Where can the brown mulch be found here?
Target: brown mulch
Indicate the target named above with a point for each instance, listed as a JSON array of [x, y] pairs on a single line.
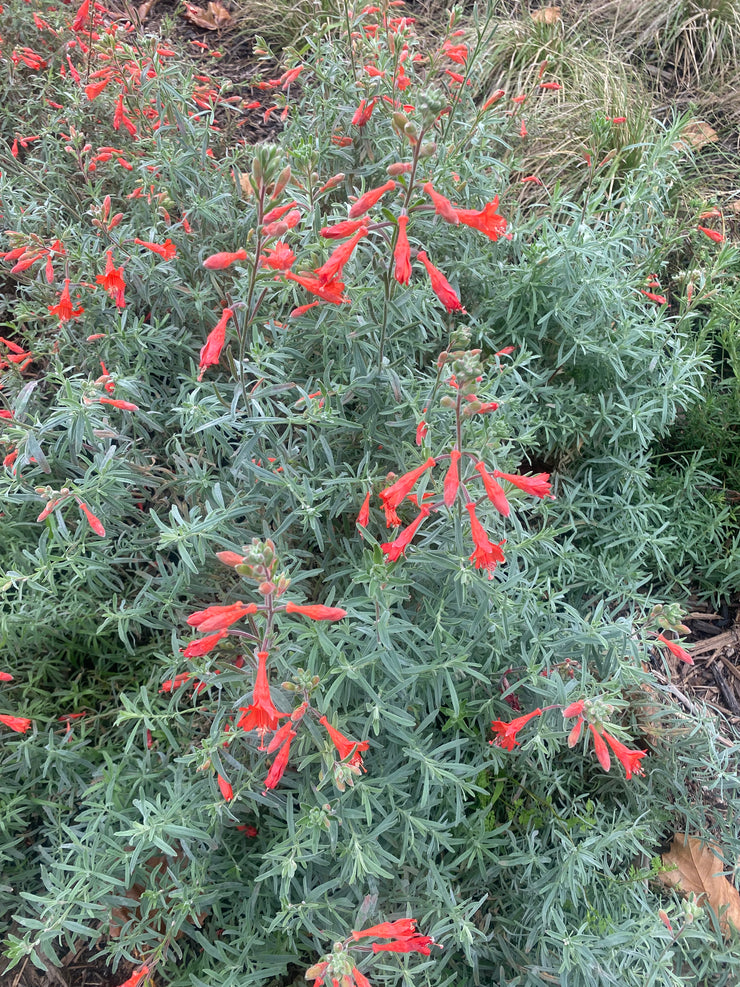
[[83, 967], [714, 643]]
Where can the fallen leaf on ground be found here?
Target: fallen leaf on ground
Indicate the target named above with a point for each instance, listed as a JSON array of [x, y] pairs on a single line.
[[697, 133], [698, 868], [145, 9], [215, 16]]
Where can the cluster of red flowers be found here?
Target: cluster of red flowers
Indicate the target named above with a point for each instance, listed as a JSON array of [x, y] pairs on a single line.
[[262, 715], [506, 736], [338, 967]]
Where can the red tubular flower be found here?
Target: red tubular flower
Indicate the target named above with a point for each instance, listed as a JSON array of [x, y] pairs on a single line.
[[217, 262], [63, 308], [602, 751], [413, 944], [278, 212], [230, 558], [136, 977], [363, 112], [575, 732], [341, 230], [363, 518], [506, 733], [279, 765], [537, 486], [402, 253], [402, 927], [20, 724], [204, 645], [676, 649], [280, 736], [360, 978], [202, 617], [226, 790], [487, 554], [179, 680], [575, 709], [261, 715], [712, 234], [302, 309], [329, 291], [94, 522], [440, 285], [346, 748], [629, 759], [81, 16], [393, 496], [452, 478], [332, 268], [113, 281], [210, 352], [6, 677], [368, 200], [280, 258], [395, 549], [660, 299], [119, 403], [166, 250], [442, 206], [486, 221], [316, 611], [494, 490], [421, 431]]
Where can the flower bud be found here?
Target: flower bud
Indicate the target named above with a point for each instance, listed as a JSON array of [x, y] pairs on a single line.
[[399, 121], [427, 150], [266, 588], [282, 181], [399, 168], [447, 401], [411, 131]]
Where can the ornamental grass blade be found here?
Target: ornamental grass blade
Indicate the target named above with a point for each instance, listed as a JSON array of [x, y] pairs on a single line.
[[696, 867]]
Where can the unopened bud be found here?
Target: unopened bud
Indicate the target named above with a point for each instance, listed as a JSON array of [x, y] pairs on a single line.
[[245, 570], [315, 680], [427, 150], [410, 130], [289, 686], [399, 168], [447, 401], [399, 120], [472, 409], [257, 171], [266, 588]]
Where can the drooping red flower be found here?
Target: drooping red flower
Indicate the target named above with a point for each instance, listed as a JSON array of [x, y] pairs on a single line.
[[676, 649], [230, 558], [393, 550], [401, 927], [204, 645], [277, 769], [113, 281], [261, 715], [712, 234], [210, 352], [346, 748], [278, 212], [487, 554], [494, 490], [456, 53], [360, 978], [487, 220], [329, 291], [83, 12], [629, 759], [94, 522], [602, 751], [332, 268], [659, 299], [363, 518], [226, 789], [442, 206], [440, 285], [316, 611], [452, 478], [412, 944], [222, 260], [338, 231], [280, 257], [20, 724], [402, 253], [63, 307], [393, 496], [6, 677], [506, 733], [369, 198], [166, 250], [169, 685], [537, 486]]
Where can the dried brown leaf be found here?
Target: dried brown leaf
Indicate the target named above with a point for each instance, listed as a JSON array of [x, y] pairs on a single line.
[[144, 9], [697, 869], [214, 17], [546, 15], [734, 206], [697, 134]]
